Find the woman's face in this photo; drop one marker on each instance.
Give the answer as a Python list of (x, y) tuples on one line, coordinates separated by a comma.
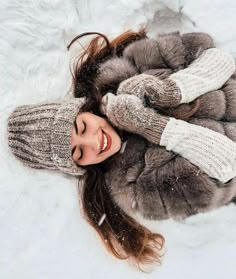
[(93, 139)]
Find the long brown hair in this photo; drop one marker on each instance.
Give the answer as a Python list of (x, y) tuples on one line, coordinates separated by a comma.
[(123, 236)]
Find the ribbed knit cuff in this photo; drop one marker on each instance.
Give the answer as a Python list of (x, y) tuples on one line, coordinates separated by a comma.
[(208, 72), (153, 126), (212, 152)]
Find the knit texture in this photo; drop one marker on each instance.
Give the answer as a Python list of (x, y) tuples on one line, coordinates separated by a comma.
[(212, 152), (127, 112), (40, 135), (157, 92), (191, 141), (209, 72)]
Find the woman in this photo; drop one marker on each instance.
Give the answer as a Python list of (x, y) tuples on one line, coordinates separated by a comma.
[(125, 168)]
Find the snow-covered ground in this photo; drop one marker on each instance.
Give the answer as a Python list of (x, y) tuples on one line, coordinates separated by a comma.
[(42, 232)]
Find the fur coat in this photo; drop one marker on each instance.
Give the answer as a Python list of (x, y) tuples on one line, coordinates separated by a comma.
[(146, 178)]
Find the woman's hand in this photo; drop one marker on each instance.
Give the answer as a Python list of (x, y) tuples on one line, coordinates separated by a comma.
[(124, 111), (155, 92), (127, 112)]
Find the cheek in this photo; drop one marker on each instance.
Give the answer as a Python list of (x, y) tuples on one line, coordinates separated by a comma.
[(89, 158)]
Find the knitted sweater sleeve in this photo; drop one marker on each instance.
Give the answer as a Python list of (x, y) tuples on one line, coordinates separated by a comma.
[(212, 152), (208, 72)]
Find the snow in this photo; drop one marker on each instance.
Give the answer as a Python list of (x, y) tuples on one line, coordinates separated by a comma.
[(102, 220), (43, 234)]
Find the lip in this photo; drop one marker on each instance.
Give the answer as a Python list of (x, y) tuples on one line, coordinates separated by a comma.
[(102, 141), (109, 141)]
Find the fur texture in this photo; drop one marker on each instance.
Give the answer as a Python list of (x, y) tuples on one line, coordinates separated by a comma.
[(146, 177)]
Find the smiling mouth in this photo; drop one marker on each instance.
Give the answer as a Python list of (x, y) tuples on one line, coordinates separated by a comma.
[(106, 142)]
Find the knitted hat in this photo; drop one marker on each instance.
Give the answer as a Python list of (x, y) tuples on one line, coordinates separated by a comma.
[(40, 135)]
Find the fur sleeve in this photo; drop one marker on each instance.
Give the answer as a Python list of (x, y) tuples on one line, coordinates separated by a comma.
[(176, 188), (161, 57), (169, 51)]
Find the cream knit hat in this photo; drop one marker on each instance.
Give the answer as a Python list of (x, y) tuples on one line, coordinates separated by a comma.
[(40, 135)]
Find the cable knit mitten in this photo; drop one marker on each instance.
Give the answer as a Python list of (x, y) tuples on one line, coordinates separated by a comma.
[(127, 112), (154, 91)]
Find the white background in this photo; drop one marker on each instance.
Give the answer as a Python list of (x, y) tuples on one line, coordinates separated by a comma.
[(42, 232)]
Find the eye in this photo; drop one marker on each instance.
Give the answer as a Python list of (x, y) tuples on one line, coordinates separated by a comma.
[(81, 151), (84, 127)]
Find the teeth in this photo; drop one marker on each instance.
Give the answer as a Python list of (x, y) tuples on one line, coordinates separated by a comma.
[(105, 142)]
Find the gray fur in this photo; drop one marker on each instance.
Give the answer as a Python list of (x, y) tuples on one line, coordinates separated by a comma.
[(172, 50), (195, 43), (145, 55), (148, 179), (114, 71)]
